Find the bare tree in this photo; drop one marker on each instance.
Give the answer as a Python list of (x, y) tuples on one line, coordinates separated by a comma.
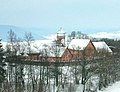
[(14, 68), (29, 39)]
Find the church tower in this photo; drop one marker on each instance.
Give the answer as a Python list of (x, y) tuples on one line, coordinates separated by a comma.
[(60, 38)]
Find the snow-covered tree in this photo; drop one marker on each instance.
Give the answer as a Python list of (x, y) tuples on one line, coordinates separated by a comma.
[(2, 70)]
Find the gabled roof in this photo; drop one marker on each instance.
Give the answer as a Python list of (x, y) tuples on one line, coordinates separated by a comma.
[(38, 45), (101, 46), (78, 44), (47, 48), (44, 47)]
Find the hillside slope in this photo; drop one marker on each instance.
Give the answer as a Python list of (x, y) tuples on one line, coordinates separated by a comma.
[(38, 33)]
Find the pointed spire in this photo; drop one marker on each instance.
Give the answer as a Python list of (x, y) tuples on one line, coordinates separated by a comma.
[(60, 31)]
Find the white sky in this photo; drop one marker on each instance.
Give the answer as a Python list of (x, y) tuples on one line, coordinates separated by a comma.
[(57, 13)]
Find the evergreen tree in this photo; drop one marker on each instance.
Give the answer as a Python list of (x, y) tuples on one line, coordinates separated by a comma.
[(2, 70)]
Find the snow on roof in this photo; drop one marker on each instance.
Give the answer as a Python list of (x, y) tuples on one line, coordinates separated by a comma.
[(102, 45), (41, 44), (47, 47), (78, 44), (61, 31)]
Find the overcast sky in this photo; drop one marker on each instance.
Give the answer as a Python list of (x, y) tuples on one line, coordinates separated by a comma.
[(61, 13)]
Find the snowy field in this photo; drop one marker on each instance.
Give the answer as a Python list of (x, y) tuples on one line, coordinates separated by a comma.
[(113, 88)]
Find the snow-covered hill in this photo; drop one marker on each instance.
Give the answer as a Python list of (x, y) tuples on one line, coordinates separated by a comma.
[(111, 35), (38, 33), (49, 33)]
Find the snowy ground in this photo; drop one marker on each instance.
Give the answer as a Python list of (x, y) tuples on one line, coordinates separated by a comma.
[(113, 88)]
